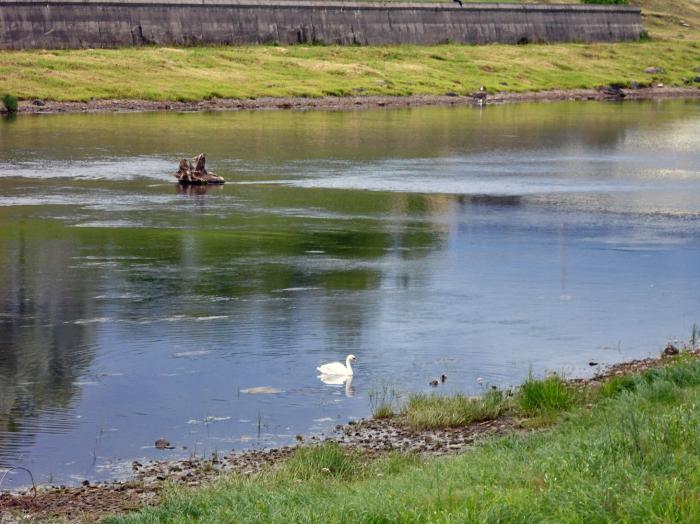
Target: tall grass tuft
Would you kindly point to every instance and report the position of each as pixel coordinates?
(383, 401)
(10, 103)
(327, 460)
(433, 411)
(541, 396)
(617, 385)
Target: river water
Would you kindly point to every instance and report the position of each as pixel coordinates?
(473, 242)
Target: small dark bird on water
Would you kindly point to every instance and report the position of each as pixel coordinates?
(458, 2)
(443, 378)
(434, 383)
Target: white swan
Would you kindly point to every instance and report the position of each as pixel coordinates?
(337, 368)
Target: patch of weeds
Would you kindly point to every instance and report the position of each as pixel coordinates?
(383, 411)
(661, 391)
(10, 102)
(435, 411)
(383, 401)
(683, 374)
(550, 394)
(542, 420)
(396, 462)
(327, 460)
(616, 385)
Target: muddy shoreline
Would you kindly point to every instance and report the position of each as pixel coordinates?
(370, 438)
(330, 103)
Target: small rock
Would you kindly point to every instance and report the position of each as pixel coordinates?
(696, 79)
(670, 350)
(592, 363)
(300, 438)
(654, 70)
(85, 483)
(613, 92)
(38, 103)
(163, 443)
(451, 93)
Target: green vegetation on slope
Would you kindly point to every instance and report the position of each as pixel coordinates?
(633, 456)
(313, 71)
(198, 73)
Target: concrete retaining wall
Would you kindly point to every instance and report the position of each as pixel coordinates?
(55, 24)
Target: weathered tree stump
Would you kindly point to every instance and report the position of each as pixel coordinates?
(196, 174)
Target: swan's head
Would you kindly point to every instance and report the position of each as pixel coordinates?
(351, 358)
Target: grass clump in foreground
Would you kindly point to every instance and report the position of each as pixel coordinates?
(542, 396)
(633, 457)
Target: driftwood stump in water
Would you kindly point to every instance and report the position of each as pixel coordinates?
(197, 173)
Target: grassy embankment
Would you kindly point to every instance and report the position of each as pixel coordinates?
(626, 451)
(199, 73)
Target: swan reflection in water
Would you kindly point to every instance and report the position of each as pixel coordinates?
(339, 380)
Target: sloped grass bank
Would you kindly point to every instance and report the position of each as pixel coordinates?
(626, 452)
(206, 73)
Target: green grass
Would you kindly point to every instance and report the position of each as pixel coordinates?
(542, 396)
(189, 74)
(634, 456)
(383, 400)
(328, 460)
(198, 73)
(434, 411)
(10, 103)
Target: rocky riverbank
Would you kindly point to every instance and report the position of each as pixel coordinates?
(370, 438)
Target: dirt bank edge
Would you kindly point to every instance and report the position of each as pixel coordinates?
(331, 103)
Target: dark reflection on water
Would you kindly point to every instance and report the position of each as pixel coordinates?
(491, 241)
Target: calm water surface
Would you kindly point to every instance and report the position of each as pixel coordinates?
(478, 243)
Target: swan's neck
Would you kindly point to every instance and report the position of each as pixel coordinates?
(348, 365)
